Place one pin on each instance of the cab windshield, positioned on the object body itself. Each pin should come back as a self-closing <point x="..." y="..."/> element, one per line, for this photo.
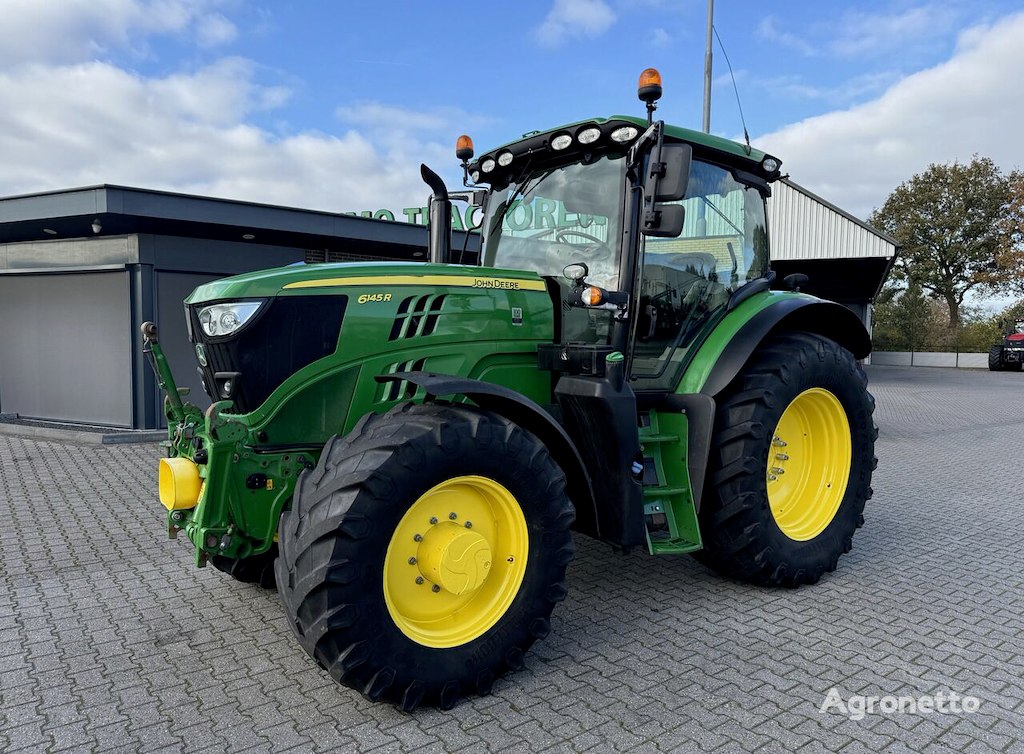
<point x="558" y="217"/>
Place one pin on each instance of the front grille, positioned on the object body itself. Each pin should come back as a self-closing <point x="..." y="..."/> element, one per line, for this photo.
<point x="288" y="334"/>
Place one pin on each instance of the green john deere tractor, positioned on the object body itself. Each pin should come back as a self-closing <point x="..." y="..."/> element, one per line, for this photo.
<point x="403" y="449"/>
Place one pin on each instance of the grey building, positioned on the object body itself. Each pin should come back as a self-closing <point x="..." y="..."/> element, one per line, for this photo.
<point x="81" y="269"/>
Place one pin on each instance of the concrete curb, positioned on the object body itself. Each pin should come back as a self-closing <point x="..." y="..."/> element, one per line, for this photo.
<point x="82" y="437"/>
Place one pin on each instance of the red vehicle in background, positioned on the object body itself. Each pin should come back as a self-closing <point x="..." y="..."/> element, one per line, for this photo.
<point x="1008" y="355"/>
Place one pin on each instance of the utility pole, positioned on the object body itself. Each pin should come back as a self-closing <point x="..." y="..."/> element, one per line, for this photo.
<point x="707" y="69"/>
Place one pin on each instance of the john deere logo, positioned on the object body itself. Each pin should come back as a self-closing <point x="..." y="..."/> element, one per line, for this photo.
<point x="201" y="354"/>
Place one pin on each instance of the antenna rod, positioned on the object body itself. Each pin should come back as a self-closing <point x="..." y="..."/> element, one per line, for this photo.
<point x="707" y="69"/>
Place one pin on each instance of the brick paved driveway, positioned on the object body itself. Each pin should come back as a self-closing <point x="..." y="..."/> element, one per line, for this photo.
<point x="110" y="640"/>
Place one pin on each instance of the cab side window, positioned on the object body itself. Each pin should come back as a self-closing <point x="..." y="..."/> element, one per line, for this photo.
<point x="686" y="279"/>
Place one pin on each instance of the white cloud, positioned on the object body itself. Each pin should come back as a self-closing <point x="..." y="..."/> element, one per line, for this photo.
<point x="661" y="38"/>
<point x="93" y="122"/>
<point x="870" y="34"/>
<point x="65" y="31"/>
<point x="769" y="31"/>
<point x="857" y="34"/>
<point x="381" y="117"/>
<point x="854" y="88"/>
<point x="966" y="105"/>
<point x="214" y="30"/>
<point x="569" y="19"/>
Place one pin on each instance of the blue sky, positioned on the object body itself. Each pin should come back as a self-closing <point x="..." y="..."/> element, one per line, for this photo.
<point x="333" y="105"/>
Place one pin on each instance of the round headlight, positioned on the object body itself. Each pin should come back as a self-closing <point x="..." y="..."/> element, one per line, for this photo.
<point x="561" y="142"/>
<point x="224" y="319"/>
<point x="474" y="176"/>
<point x="505" y="159"/>
<point x="229" y="321"/>
<point x="589" y="135"/>
<point x="770" y="164"/>
<point x="487" y="165"/>
<point x="624" y="134"/>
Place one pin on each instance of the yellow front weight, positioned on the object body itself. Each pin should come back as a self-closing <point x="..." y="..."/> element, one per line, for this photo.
<point x="179" y="483"/>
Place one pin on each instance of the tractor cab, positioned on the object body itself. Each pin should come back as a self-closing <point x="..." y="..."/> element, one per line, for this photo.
<point x="646" y="233"/>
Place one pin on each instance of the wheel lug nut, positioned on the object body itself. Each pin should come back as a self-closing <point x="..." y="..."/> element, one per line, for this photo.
<point x="511" y="559"/>
<point x="435" y="588"/>
<point x="412" y="561"/>
<point x="469" y="524"/>
<point x="417" y="538"/>
<point x="452" y="516"/>
<point x="419" y="579"/>
<point x="433" y="520"/>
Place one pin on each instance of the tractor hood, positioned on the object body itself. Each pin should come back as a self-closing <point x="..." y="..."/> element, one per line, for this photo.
<point x="303" y="279"/>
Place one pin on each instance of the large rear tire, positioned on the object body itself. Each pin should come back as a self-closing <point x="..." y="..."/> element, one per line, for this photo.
<point x="995" y="359"/>
<point x="791" y="463"/>
<point x="425" y="553"/>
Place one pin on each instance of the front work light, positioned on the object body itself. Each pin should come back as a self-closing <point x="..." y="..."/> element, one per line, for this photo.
<point x="589" y="135"/>
<point x="560" y="142"/>
<point x="624" y="134"/>
<point x="224" y="319"/>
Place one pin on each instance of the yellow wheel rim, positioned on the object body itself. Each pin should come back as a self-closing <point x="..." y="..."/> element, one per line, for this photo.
<point x="456" y="561"/>
<point x="809" y="464"/>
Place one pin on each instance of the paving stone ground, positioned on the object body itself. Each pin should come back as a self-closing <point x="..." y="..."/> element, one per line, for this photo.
<point x="111" y="641"/>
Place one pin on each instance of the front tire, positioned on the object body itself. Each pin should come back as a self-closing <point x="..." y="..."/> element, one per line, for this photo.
<point x="425" y="553"/>
<point x="791" y="463"/>
<point x="256" y="569"/>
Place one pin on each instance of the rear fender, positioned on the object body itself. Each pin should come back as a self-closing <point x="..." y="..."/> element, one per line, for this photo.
<point x="788" y="313"/>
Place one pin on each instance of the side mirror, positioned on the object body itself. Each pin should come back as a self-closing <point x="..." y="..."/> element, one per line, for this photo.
<point x="664" y="221"/>
<point x="667" y="177"/>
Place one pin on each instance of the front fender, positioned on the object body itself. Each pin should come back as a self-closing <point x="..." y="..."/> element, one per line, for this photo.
<point x="522" y="411"/>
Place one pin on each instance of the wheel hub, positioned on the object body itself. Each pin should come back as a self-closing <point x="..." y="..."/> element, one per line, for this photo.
<point x="456" y="561"/>
<point x="454" y="557"/>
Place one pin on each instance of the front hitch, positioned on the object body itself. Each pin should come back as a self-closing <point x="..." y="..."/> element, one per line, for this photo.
<point x="155" y="354"/>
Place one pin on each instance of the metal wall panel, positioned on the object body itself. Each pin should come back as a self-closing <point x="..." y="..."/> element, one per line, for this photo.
<point x="64" y="348"/>
<point x="803" y="226"/>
